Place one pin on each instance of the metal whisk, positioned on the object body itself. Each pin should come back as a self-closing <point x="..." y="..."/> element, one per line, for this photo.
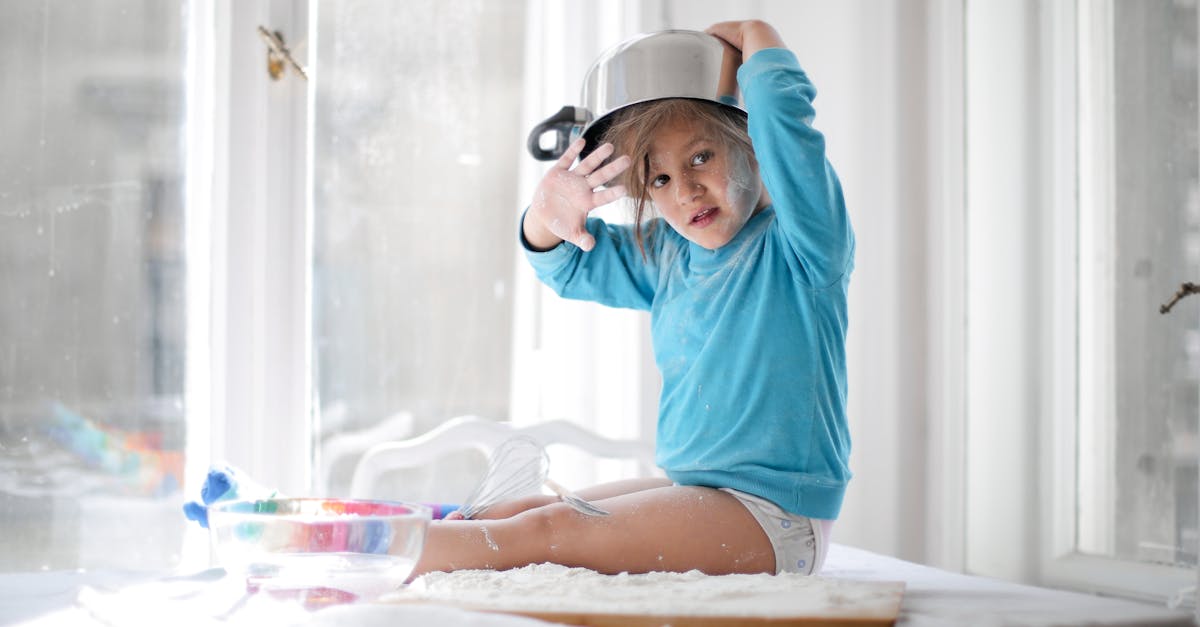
<point x="517" y="467"/>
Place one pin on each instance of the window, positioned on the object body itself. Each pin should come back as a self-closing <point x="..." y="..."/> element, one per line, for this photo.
<point x="422" y="303"/>
<point x="1139" y="225"/>
<point x="417" y="144"/>
<point x="92" y="326"/>
<point x="1082" y="220"/>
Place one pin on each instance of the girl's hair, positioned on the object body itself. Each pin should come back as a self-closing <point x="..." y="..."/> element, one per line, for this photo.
<point x="633" y="129"/>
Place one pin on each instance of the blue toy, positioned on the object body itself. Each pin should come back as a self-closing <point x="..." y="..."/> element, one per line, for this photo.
<point x="224" y="483"/>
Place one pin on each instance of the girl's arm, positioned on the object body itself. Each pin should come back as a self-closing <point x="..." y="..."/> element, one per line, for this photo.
<point x="791" y="155"/>
<point x="613" y="272"/>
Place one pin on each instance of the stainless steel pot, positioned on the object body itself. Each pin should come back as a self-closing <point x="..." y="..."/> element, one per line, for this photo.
<point x="653" y="66"/>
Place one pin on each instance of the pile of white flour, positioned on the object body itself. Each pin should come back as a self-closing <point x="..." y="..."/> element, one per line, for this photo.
<point x="553" y="588"/>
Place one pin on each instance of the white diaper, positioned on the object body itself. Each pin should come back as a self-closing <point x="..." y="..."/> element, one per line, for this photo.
<point x="800" y="542"/>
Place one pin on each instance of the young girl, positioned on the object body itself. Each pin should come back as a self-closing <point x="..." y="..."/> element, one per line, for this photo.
<point x="745" y="276"/>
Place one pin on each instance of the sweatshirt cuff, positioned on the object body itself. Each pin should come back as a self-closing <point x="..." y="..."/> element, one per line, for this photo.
<point x="766" y="60"/>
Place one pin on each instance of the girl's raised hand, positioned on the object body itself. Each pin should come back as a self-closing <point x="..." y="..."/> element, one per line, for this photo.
<point x="567" y="195"/>
<point x="748" y="36"/>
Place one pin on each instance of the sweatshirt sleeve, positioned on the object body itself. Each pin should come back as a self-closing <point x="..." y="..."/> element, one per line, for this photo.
<point x="613" y="273"/>
<point x="791" y="155"/>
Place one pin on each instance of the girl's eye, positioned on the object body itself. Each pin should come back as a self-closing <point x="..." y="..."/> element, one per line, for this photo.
<point x="701" y="158"/>
<point x="659" y="181"/>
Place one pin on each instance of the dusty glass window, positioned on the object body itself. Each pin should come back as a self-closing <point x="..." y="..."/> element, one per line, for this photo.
<point x="416" y="147"/>
<point x="1140" y="369"/>
<point x="91" y="259"/>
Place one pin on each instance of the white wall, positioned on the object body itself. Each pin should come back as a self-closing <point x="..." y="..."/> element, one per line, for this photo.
<point x="1004" y="362"/>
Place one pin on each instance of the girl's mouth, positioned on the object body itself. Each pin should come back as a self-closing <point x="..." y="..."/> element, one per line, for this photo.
<point x="704" y="218"/>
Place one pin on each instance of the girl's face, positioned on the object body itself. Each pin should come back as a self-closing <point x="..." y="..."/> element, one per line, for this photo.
<point x="705" y="191"/>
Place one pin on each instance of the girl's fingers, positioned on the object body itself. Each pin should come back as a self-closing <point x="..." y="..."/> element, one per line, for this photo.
<point x="568" y="157"/>
<point x="608" y="194"/>
<point x="609" y="172"/>
<point x="729" y="32"/>
<point x="594" y="160"/>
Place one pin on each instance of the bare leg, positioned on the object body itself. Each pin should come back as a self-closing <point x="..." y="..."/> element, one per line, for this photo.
<point x="668" y="528"/>
<point x="508" y="509"/>
<point x="625" y="486"/>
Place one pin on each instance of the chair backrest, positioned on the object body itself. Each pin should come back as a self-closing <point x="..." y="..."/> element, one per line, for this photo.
<point x="338" y="451"/>
<point x="473" y="432"/>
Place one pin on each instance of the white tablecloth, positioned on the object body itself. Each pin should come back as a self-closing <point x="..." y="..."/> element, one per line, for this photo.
<point x="933" y="598"/>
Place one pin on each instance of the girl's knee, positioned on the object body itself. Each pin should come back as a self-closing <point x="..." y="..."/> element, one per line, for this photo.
<point x="555" y="522"/>
<point x="508" y="509"/>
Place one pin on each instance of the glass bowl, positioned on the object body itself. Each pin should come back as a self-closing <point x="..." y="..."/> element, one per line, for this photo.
<point x="360" y="547"/>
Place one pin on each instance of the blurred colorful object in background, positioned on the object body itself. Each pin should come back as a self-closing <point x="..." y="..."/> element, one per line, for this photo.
<point x="136" y="458"/>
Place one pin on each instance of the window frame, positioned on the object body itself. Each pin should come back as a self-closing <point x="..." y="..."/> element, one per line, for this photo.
<point x="1032" y="369"/>
<point x="945" y="536"/>
<point x="1081" y="181"/>
<point x="248" y="388"/>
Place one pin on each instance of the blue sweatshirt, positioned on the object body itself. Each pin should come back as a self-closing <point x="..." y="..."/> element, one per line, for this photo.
<point x="750" y="338"/>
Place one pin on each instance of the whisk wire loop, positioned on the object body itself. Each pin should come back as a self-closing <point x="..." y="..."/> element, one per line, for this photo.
<point x="518" y="466"/>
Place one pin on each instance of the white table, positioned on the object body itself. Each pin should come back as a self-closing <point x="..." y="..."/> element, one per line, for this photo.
<point x="939" y="598"/>
<point x="933" y="598"/>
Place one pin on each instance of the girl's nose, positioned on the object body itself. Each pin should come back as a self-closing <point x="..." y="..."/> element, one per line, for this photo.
<point x="690" y="190"/>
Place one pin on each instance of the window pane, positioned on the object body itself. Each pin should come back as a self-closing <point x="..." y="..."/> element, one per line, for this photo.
<point x="1148" y="511"/>
<point x="91" y="260"/>
<point x="416" y="148"/>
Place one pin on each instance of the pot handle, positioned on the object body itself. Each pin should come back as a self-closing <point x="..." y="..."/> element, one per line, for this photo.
<point x="566" y="125"/>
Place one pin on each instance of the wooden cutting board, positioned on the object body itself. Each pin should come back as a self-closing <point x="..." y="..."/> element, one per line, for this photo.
<point x="594" y="619"/>
<point x="575" y="596"/>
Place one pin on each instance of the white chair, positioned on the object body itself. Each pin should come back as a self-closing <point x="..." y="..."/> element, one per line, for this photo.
<point x="348" y="444"/>
<point x="473" y="432"/>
